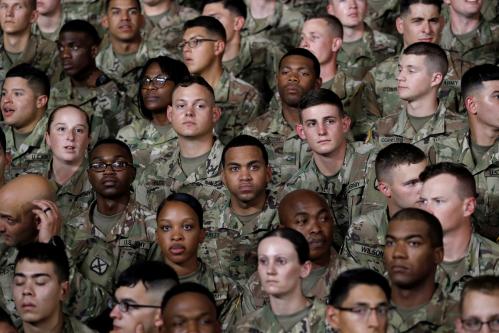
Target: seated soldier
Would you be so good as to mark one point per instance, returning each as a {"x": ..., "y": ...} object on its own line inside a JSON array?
[
  {"x": 338, "y": 167},
  {"x": 6, "y": 324},
  {"x": 234, "y": 225},
  {"x": 51, "y": 17},
  {"x": 4, "y": 157},
  {"x": 414, "y": 248},
  {"x": 397, "y": 169},
  {"x": 40, "y": 286},
  {"x": 449, "y": 193},
  {"x": 179, "y": 233},
  {"x": 139, "y": 292},
  {"x": 359, "y": 302}
]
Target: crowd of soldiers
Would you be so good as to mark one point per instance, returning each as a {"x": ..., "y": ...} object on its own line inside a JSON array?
[{"x": 249, "y": 166}]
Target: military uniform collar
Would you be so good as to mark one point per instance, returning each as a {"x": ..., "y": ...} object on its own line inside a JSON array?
[
  {"x": 436, "y": 125},
  {"x": 209, "y": 170},
  {"x": 76, "y": 183},
  {"x": 222, "y": 88},
  {"x": 490, "y": 158},
  {"x": 315, "y": 315},
  {"x": 34, "y": 139},
  {"x": 27, "y": 55},
  {"x": 278, "y": 124},
  {"x": 271, "y": 21},
  {"x": 108, "y": 56}
]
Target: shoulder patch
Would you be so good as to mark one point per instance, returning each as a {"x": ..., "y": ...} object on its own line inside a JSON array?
[{"x": 99, "y": 266}]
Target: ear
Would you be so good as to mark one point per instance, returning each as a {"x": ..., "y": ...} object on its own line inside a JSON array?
[
  {"x": 64, "y": 290},
  {"x": 169, "y": 111},
  {"x": 239, "y": 23},
  {"x": 217, "y": 113},
  {"x": 332, "y": 317},
  {"x": 158, "y": 320},
  {"x": 219, "y": 47},
  {"x": 399, "y": 24},
  {"x": 318, "y": 83},
  {"x": 471, "y": 105},
  {"x": 268, "y": 173},
  {"x": 306, "y": 268},
  {"x": 330, "y": 9},
  {"x": 346, "y": 122},
  {"x": 438, "y": 254},
  {"x": 301, "y": 133},
  {"x": 104, "y": 22},
  {"x": 94, "y": 50},
  {"x": 34, "y": 16},
  {"x": 385, "y": 189},
  {"x": 436, "y": 79},
  {"x": 41, "y": 101},
  {"x": 337, "y": 43},
  {"x": 469, "y": 206}
]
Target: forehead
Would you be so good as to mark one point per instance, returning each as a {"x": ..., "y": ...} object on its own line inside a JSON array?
[
  {"x": 16, "y": 82},
  {"x": 69, "y": 112},
  {"x": 441, "y": 184},
  {"x": 194, "y": 91},
  {"x": 420, "y": 9},
  {"x": 29, "y": 267},
  {"x": 196, "y": 31},
  {"x": 11, "y": 2},
  {"x": 217, "y": 7},
  {"x": 297, "y": 61},
  {"x": 177, "y": 209},
  {"x": 408, "y": 171},
  {"x": 109, "y": 150},
  {"x": 244, "y": 153},
  {"x": 316, "y": 25},
  {"x": 403, "y": 228},
  {"x": 272, "y": 246},
  {"x": 188, "y": 303},
  {"x": 305, "y": 203},
  {"x": 123, "y": 4},
  {"x": 412, "y": 60},
  {"x": 135, "y": 292},
  {"x": 479, "y": 303},
  {"x": 490, "y": 86},
  {"x": 320, "y": 111},
  {"x": 75, "y": 36},
  {"x": 364, "y": 293}
]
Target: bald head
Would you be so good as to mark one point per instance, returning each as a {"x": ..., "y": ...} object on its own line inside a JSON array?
[
  {"x": 294, "y": 202},
  {"x": 27, "y": 188}
]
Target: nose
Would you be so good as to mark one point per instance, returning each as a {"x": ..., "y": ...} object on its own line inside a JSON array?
[
  {"x": 352, "y": 4},
  {"x": 115, "y": 312},
  {"x": 293, "y": 77},
  {"x": 244, "y": 173},
  {"x": 270, "y": 268},
  {"x": 70, "y": 135},
  {"x": 426, "y": 27},
  {"x": 125, "y": 15},
  {"x": 192, "y": 326},
  {"x": 373, "y": 320},
  {"x": 304, "y": 42},
  {"x": 2, "y": 227},
  {"x": 401, "y": 76},
  {"x": 399, "y": 250},
  {"x": 6, "y": 98},
  {"x": 321, "y": 129},
  {"x": 65, "y": 52},
  {"x": 177, "y": 234},
  {"x": 27, "y": 290},
  {"x": 10, "y": 11}
]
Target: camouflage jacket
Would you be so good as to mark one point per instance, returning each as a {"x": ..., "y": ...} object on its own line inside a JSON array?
[
  {"x": 283, "y": 26},
  {"x": 240, "y": 103},
  {"x": 53, "y": 36},
  {"x": 71, "y": 325},
  {"x": 265, "y": 321},
  {"x": 230, "y": 245},
  {"x": 88, "y": 10},
  {"x": 360, "y": 56},
  {"x": 33, "y": 154},
  {"x": 308, "y": 8},
  {"x": 381, "y": 15},
  {"x": 457, "y": 148},
  {"x": 165, "y": 176},
  {"x": 482, "y": 259},
  {"x": 482, "y": 46},
  {"x": 227, "y": 293},
  {"x": 131, "y": 239}
]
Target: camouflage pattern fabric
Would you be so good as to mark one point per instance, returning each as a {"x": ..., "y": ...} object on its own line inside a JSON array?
[
  {"x": 381, "y": 15},
  {"x": 308, "y": 8},
  {"x": 54, "y": 35},
  {"x": 88, "y": 10}
]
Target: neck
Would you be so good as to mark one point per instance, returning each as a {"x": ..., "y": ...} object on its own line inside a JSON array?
[
  {"x": 329, "y": 69},
  {"x": 331, "y": 164},
  {"x": 160, "y": 118},
  {"x": 483, "y": 135},
  {"x": 322, "y": 261},
  {"x": 424, "y": 106},
  {"x": 87, "y": 78},
  {"x": 232, "y": 48},
  {"x": 454, "y": 240},
  {"x": 185, "y": 268},
  {"x": 50, "y": 22},
  {"x": 194, "y": 147},
  {"x": 416, "y": 296},
  {"x": 31, "y": 126},
  {"x": 393, "y": 208},
  {"x": 53, "y": 325},
  {"x": 112, "y": 206},
  {"x": 161, "y": 8},
  {"x": 127, "y": 47},
  {"x": 460, "y": 24},
  {"x": 213, "y": 73},
  {"x": 289, "y": 304},
  {"x": 262, "y": 8},
  {"x": 244, "y": 208},
  {"x": 353, "y": 34},
  {"x": 62, "y": 171},
  {"x": 16, "y": 43},
  {"x": 291, "y": 114}
]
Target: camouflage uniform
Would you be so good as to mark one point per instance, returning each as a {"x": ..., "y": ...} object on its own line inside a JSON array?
[
  {"x": 71, "y": 325},
  {"x": 490, "y": 10},
  {"x": 372, "y": 48},
  {"x": 381, "y": 15},
  {"x": 482, "y": 44},
  {"x": 265, "y": 321},
  {"x": 88, "y": 10},
  {"x": 165, "y": 176},
  {"x": 283, "y": 26},
  {"x": 53, "y": 36},
  {"x": 230, "y": 245},
  {"x": 227, "y": 292},
  {"x": 33, "y": 154},
  {"x": 308, "y": 8},
  {"x": 240, "y": 103},
  {"x": 131, "y": 239}
]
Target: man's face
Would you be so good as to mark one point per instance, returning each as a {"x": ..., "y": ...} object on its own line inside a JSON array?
[
  {"x": 193, "y": 112},
  {"x": 156, "y": 99},
  {"x": 324, "y": 128},
  {"x": 112, "y": 184},
  {"x": 229, "y": 20},
  {"x": 317, "y": 37},
  {"x": 485, "y": 104},
  {"x": 127, "y": 322},
  {"x": 16, "y": 16},
  {"x": 192, "y": 311},
  {"x": 414, "y": 79},
  {"x": 465, "y": 8},
  {"x": 360, "y": 296},
  {"x": 410, "y": 258},
  {"x": 422, "y": 23},
  {"x": 17, "y": 224},
  {"x": 351, "y": 13},
  {"x": 202, "y": 57},
  {"x": 123, "y": 20},
  {"x": 296, "y": 77},
  {"x": 77, "y": 53},
  {"x": 38, "y": 293},
  {"x": 478, "y": 306},
  {"x": 46, "y": 7},
  {"x": 245, "y": 174}
]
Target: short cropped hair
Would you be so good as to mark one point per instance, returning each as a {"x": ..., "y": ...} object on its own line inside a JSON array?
[
  {"x": 348, "y": 280},
  {"x": 306, "y": 54},
  {"x": 406, "y": 4},
  {"x": 435, "y": 231},
  {"x": 57, "y": 109},
  {"x": 137, "y": 2},
  {"x": 296, "y": 238},
  {"x": 236, "y": 7},
  {"x": 154, "y": 275},
  {"x": 318, "y": 97},
  {"x": 394, "y": 155},
  {"x": 54, "y": 253},
  {"x": 188, "y": 287},
  {"x": 474, "y": 77},
  {"x": 83, "y": 27},
  {"x": 335, "y": 26},
  {"x": 211, "y": 24},
  {"x": 112, "y": 141},
  {"x": 38, "y": 81},
  {"x": 465, "y": 179},
  {"x": 485, "y": 284},
  {"x": 3, "y": 141},
  {"x": 244, "y": 141},
  {"x": 187, "y": 199},
  {"x": 436, "y": 59},
  {"x": 195, "y": 79}
]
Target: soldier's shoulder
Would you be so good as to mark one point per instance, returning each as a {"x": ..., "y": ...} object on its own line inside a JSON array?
[
  {"x": 384, "y": 41},
  {"x": 259, "y": 125},
  {"x": 388, "y": 65},
  {"x": 239, "y": 86},
  {"x": 187, "y": 13}
]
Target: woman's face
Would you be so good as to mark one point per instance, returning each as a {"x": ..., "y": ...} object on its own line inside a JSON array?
[
  {"x": 156, "y": 96},
  {"x": 279, "y": 269},
  {"x": 68, "y": 136}
]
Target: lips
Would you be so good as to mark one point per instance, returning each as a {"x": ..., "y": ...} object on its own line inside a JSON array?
[
  {"x": 316, "y": 242},
  {"x": 246, "y": 187},
  {"x": 7, "y": 112},
  {"x": 109, "y": 182},
  {"x": 394, "y": 269},
  {"x": 27, "y": 306},
  {"x": 177, "y": 249},
  {"x": 293, "y": 89}
]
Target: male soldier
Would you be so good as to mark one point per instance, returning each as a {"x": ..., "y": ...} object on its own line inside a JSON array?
[
  {"x": 469, "y": 35},
  {"x": 4, "y": 157},
  {"x": 322, "y": 35},
  {"x": 413, "y": 250},
  {"x": 274, "y": 20},
  {"x": 423, "y": 119},
  {"x": 449, "y": 193},
  {"x": 251, "y": 58},
  {"x": 299, "y": 72},
  {"x": 479, "y": 305},
  {"x": 127, "y": 51},
  {"x": 363, "y": 47},
  {"x": 19, "y": 45},
  {"x": 193, "y": 167},
  {"x": 397, "y": 168},
  {"x": 50, "y": 19},
  {"x": 235, "y": 224},
  {"x": 337, "y": 168},
  {"x": 203, "y": 47},
  {"x": 25, "y": 94},
  {"x": 478, "y": 148},
  {"x": 40, "y": 286},
  {"x": 139, "y": 292},
  {"x": 359, "y": 302}
]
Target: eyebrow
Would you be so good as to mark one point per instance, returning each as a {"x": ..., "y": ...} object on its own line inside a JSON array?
[
  {"x": 406, "y": 237},
  {"x": 36, "y": 275}
]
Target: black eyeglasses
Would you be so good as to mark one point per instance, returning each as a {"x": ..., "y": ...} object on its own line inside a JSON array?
[
  {"x": 195, "y": 42},
  {"x": 475, "y": 324},
  {"x": 125, "y": 306},
  {"x": 364, "y": 311},
  {"x": 115, "y": 166},
  {"x": 158, "y": 81}
]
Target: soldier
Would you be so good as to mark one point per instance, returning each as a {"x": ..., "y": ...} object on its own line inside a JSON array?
[
  {"x": 50, "y": 19},
  {"x": 363, "y": 47},
  {"x": 478, "y": 147},
  {"x": 203, "y": 47},
  {"x": 449, "y": 192},
  {"x": 299, "y": 72},
  {"x": 4, "y": 157},
  {"x": 469, "y": 35},
  {"x": 337, "y": 168},
  {"x": 193, "y": 166},
  {"x": 359, "y": 302},
  {"x": 25, "y": 94},
  {"x": 139, "y": 292},
  {"x": 423, "y": 119},
  {"x": 85, "y": 85},
  {"x": 397, "y": 185},
  {"x": 19, "y": 45},
  {"x": 413, "y": 250},
  {"x": 234, "y": 225},
  {"x": 179, "y": 233}
]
